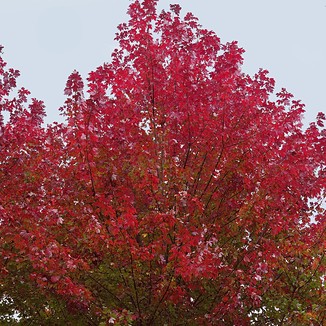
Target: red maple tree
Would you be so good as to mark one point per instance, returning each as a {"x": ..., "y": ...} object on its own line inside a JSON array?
[{"x": 176, "y": 192}]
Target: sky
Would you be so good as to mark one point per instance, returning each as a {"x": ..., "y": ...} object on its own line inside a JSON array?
[{"x": 47, "y": 39}]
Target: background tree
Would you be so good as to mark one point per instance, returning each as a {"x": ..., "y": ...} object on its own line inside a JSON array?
[{"x": 177, "y": 191}]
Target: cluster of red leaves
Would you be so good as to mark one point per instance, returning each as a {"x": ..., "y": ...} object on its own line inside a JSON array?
[{"x": 176, "y": 189}]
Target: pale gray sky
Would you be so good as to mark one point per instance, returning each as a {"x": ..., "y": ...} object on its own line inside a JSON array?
[{"x": 47, "y": 39}]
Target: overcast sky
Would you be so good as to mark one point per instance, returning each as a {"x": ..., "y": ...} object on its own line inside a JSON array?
[{"x": 47, "y": 39}]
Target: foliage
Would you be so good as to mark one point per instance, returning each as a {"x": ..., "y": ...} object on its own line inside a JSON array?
[{"x": 176, "y": 192}]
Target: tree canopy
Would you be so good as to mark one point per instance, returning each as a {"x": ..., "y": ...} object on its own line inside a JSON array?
[{"x": 178, "y": 191}]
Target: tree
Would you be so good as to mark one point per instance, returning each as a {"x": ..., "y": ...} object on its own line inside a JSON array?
[{"x": 176, "y": 192}]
